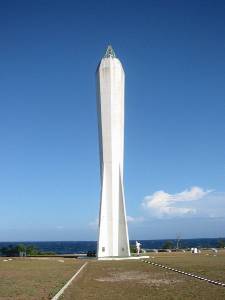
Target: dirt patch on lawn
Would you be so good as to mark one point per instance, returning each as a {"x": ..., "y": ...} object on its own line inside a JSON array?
[{"x": 138, "y": 277}]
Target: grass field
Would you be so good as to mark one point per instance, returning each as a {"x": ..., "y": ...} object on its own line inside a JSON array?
[
  {"x": 138, "y": 280},
  {"x": 26, "y": 279},
  {"x": 36, "y": 279},
  {"x": 206, "y": 264}
]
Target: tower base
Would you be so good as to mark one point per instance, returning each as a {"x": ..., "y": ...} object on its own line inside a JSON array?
[{"x": 123, "y": 258}]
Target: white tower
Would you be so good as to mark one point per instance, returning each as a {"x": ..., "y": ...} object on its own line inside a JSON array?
[{"x": 113, "y": 235}]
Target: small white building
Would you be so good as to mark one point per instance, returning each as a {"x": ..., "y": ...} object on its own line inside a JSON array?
[{"x": 194, "y": 250}]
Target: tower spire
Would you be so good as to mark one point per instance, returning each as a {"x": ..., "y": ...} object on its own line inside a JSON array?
[{"x": 109, "y": 52}]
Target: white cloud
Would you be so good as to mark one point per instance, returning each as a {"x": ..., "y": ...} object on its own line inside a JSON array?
[
  {"x": 134, "y": 219},
  {"x": 164, "y": 204}
]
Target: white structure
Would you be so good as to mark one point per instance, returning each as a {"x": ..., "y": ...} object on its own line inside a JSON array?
[
  {"x": 194, "y": 250},
  {"x": 113, "y": 235}
]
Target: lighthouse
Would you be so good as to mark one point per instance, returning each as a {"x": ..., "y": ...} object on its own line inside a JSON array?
[{"x": 113, "y": 238}]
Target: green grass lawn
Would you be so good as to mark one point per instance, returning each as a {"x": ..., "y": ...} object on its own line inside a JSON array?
[{"x": 37, "y": 279}]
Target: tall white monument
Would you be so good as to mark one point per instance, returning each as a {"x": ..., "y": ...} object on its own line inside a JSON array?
[{"x": 113, "y": 238}]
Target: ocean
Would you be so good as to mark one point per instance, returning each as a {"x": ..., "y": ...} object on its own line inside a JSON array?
[{"x": 78, "y": 247}]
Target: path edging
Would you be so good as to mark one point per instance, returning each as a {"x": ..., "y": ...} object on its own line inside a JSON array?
[
  {"x": 185, "y": 273},
  {"x": 56, "y": 297}
]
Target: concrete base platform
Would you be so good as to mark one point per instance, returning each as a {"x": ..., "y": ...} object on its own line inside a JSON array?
[{"x": 123, "y": 258}]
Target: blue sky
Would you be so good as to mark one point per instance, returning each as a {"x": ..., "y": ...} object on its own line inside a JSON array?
[{"x": 173, "y": 54}]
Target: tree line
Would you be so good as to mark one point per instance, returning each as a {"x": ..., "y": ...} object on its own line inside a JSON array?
[{"x": 22, "y": 250}]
